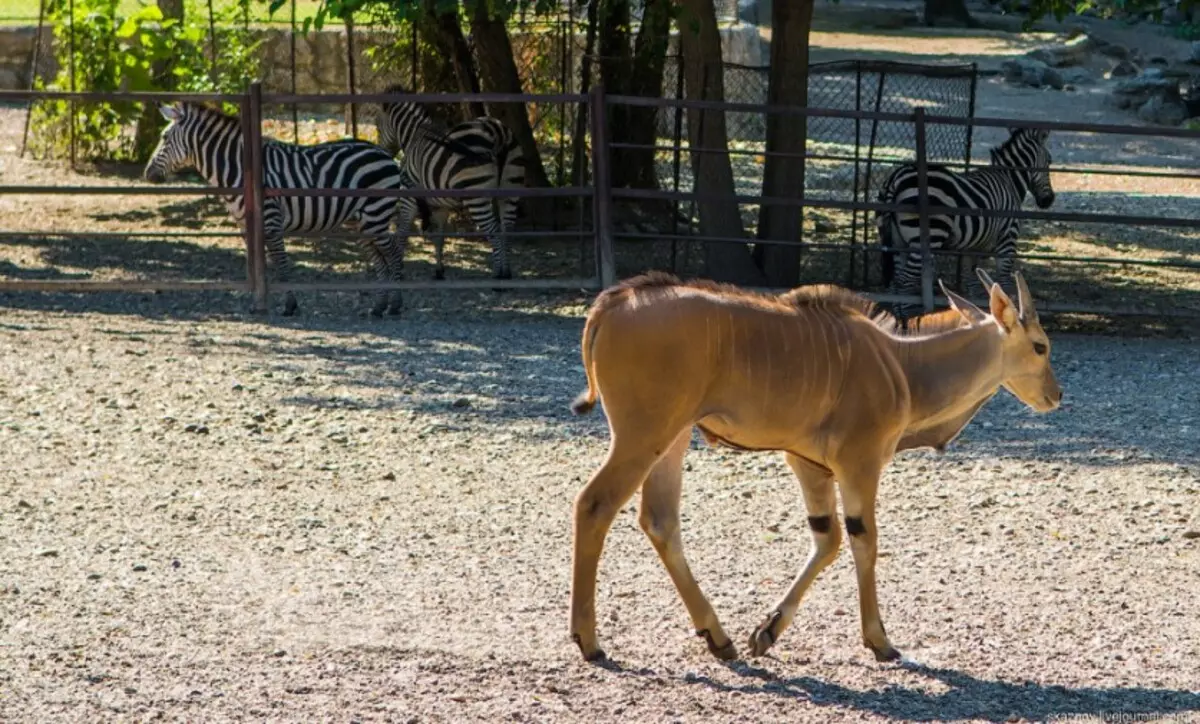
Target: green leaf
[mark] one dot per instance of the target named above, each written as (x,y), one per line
(275,5)
(150,13)
(128,28)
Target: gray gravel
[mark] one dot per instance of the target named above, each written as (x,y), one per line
(327,519)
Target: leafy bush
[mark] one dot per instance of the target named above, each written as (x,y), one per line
(140,52)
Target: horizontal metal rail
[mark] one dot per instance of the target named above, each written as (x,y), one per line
(843,246)
(482,284)
(118,190)
(118,285)
(907,208)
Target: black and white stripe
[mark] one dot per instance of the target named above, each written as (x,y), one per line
(481,153)
(212,142)
(1020,166)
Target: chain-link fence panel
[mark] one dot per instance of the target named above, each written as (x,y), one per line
(848,158)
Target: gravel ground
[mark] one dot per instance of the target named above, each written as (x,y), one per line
(226,518)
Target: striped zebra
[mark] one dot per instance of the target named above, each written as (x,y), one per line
(478,154)
(1020,166)
(212,143)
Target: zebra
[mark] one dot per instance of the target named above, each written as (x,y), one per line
(481,153)
(1020,166)
(211,142)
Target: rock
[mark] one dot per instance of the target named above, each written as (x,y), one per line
(1191,534)
(1152,73)
(1076,76)
(461,403)
(1113,50)
(1163,110)
(1195,57)
(1031,72)
(1124,69)
(1073,52)
(1159,61)
(1134,93)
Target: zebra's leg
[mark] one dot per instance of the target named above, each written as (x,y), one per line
(273,241)
(1006,261)
(394,245)
(439,222)
(483,213)
(908,281)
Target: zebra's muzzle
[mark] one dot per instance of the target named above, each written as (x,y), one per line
(1045,202)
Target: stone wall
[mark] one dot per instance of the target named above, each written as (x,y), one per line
(321,57)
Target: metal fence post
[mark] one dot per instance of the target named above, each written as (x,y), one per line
(923,210)
(256,260)
(601,187)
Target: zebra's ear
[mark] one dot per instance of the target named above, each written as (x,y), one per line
(963,306)
(170,112)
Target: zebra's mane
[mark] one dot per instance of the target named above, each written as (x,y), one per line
(210,110)
(433,128)
(1002,152)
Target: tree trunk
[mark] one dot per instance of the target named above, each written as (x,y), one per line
(151,122)
(783,176)
(498,74)
(948,12)
(712,172)
(649,61)
(442,30)
(633,68)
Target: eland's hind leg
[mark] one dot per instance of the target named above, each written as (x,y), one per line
(821,502)
(858,487)
(659,518)
(630,458)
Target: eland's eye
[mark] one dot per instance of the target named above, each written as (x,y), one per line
(1039,348)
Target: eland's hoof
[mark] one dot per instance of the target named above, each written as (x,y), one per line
(887,653)
(724,652)
(596,655)
(763,637)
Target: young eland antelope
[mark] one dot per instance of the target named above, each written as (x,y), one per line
(818,373)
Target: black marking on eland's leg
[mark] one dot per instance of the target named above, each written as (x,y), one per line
(728,652)
(820,523)
(854,526)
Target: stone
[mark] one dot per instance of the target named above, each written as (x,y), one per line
(1163,110)
(1031,72)
(1113,50)
(1123,69)
(1195,57)
(1076,76)
(1073,52)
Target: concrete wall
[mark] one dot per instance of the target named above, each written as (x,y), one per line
(321,57)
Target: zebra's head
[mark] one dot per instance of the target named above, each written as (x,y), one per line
(174,153)
(397,122)
(1027,151)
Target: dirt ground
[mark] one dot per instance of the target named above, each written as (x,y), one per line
(219,518)
(209,516)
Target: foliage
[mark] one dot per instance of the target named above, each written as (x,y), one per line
(1060,9)
(129,53)
(401,11)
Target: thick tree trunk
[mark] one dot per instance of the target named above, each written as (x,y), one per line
(948,12)
(633,68)
(498,74)
(151,122)
(783,176)
(712,172)
(443,32)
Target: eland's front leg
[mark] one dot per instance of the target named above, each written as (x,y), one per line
(858,504)
(821,503)
(659,519)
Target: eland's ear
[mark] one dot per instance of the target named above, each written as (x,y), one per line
(984,278)
(1024,299)
(1003,308)
(171,112)
(963,306)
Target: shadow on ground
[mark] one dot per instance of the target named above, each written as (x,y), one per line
(968,697)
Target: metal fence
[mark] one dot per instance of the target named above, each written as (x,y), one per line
(599,230)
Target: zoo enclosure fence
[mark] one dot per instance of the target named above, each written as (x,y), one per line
(600,192)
